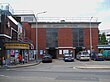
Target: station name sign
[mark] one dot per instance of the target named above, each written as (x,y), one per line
(16,46)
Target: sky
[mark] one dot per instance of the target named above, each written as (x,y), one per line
(67,8)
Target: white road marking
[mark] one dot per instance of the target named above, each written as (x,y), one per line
(1,75)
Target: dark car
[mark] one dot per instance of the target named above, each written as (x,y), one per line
(68,57)
(47,58)
(97,56)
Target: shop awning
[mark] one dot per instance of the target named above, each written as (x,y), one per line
(103,46)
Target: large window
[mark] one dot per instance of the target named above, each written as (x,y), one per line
(51,37)
(78,37)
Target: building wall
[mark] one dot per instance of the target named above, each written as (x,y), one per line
(94,32)
(87,38)
(27,29)
(33,36)
(95,38)
(65,37)
(41,39)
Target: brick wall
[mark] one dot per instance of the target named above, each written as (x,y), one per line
(27,30)
(33,36)
(94,32)
(65,37)
(41,38)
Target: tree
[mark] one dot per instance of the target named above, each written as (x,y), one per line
(102,39)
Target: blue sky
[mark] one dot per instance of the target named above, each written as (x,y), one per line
(67,8)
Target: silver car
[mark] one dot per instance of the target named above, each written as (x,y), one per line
(68,57)
(83,55)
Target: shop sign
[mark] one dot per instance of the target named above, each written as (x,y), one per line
(16,46)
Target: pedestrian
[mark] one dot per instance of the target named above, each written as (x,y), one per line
(26,57)
(3,60)
(1,63)
(23,60)
(20,58)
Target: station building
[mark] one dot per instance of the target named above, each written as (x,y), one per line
(57,38)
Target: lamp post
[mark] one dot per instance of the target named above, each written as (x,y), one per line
(90,36)
(37,33)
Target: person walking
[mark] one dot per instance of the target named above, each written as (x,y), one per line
(20,58)
(23,61)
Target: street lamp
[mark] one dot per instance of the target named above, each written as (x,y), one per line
(37,33)
(90,36)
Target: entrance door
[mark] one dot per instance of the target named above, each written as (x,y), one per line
(53,52)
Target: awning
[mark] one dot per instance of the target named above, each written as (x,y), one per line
(103,46)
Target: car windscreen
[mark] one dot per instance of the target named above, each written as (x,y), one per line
(85,53)
(47,56)
(68,55)
(99,54)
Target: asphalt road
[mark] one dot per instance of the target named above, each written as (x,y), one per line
(58,71)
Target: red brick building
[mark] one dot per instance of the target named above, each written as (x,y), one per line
(15,37)
(58,38)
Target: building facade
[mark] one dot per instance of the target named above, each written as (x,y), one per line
(25,34)
(57,38)
(14,38)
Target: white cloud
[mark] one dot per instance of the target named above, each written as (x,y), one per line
(105,19)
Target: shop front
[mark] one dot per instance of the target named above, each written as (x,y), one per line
(13,50)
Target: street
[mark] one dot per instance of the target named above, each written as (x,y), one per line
(57,71)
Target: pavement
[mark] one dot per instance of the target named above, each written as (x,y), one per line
(31,63)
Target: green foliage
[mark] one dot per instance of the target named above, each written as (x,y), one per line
(102,39)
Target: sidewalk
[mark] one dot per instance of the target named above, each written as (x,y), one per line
(31,63)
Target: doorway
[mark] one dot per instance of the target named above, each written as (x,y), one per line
(52,52)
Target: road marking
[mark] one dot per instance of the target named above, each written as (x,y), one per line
(74,67)
(2,75)
(8,69)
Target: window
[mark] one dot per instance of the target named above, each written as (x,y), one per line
(51,37)
(78,37)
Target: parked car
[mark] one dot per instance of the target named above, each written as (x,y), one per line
(83,55)
(68,57)
(47,58)
(97,56)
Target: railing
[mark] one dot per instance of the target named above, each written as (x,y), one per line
(67,19)
(22,12)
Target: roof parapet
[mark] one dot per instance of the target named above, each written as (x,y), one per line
(67,19)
